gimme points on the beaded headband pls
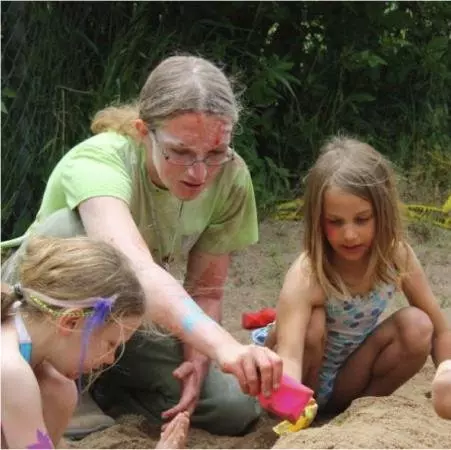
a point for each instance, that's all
(58, 308)
(95, 309)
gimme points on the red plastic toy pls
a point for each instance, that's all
(252, 320)
(289, 401)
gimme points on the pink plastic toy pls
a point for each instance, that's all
(289, 401)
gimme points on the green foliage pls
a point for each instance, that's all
(302, 70)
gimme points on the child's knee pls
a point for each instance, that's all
(415, 329)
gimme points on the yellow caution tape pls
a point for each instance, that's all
(447, 206)
(291, 210)
(432, 214)
(438, 216)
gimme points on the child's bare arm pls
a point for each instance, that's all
(298, 295)
(176, 433)
(417, 289)
(22, 418)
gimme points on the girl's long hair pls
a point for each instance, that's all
(358, 169)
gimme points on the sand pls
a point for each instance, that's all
(403, 420)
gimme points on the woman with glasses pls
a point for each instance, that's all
(159, 180)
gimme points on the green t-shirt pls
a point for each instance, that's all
(221, 219)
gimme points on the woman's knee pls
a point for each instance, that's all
(223, 408)
(415, 330)
(63, 223)
(235, 413)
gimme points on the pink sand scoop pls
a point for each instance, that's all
(289, 401)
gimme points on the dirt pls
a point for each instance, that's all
(403, 420)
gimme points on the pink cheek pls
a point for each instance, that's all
(331, 232)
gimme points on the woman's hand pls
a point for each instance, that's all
(191, 375)
(258, 369)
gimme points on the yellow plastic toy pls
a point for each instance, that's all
(304, 421)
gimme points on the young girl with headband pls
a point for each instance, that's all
(78, 300)
(329, 331)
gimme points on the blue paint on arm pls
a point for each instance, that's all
(194, 316)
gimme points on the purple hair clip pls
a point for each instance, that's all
(101, 310)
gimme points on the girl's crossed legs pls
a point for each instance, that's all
(395, 351)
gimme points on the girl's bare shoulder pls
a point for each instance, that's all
(11, 358)
(405, 259)
(301, 279)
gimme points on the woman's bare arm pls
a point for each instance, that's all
(168, 304)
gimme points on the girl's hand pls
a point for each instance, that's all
(175, 433)
(441, 390)
(258, 369)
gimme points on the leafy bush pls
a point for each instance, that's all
(303, 71)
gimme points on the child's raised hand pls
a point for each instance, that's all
(176, 432)
(441, 390)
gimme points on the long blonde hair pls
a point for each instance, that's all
(178, 84)
(69, 271)
(356, 168)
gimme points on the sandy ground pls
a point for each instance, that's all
(403, 420)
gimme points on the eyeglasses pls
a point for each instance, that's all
(182, 157)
